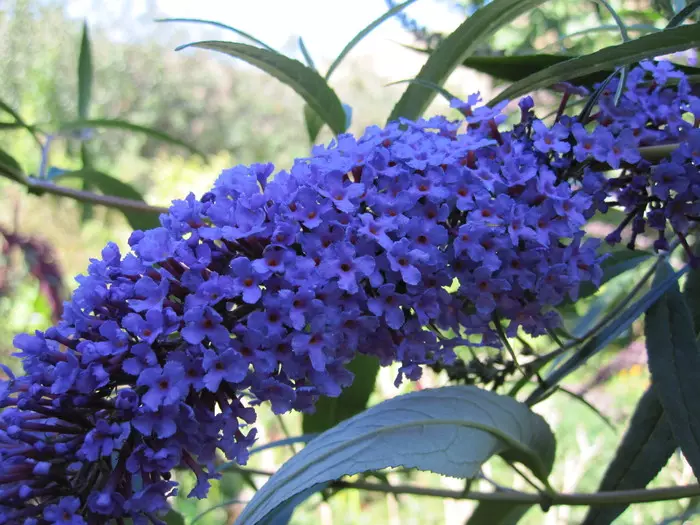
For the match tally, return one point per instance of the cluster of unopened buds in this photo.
(402, 244)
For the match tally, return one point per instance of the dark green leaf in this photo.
(108, 185)
(646, 448)
(220, 25)
(87, 212)
(497, 513)
(174, 518)
(362, 34)
(655, 44)
(128, 126)
(665, 7)
(305, 81)
(691, 293)
(674, 362)
(19, 122)
(606, 336)
(313, 123)
(332, 410)
(517, 67)
(84, 75)
(512, 68)
(683, 14)
(452, 51)
(10, 167)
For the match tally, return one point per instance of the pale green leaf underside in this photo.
(450, 431)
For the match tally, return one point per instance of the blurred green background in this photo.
(236, 114)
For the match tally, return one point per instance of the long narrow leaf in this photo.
(304, 80)
(612, 27)
(646, 448)
(128, 126)
(517, 67)
(455, 49)
(618, 21)
(9, 167)
(691, 293)
(656, 44)
(683, 14)
(220, 25)
(84, 75)
(606, 336)
(20, 122)
(362, 34)
(497, 513)
(307, 56)
(313, 123)
(674, 362)
(332, 410)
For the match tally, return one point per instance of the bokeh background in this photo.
(236, 114)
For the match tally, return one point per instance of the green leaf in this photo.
(606, 336)
(644, 451)
(19, 122)
(305, 53)
(282, 515)
(616, 264)
(84, 75)
(220, 25)
(108, 185)
(305, 81)
(10, 167)
(513, 68)
(647, 28)
(655, 44)
(450, 430)
(455, 49)
(618, 21)
(332, 410)
(128, 126)
(497, 513)
(362, 34)
(313, 123)
(674, 363)
(174, 518)
(691, 293)
(683, 14)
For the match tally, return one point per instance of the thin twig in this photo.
(87, 196)
(615, 497)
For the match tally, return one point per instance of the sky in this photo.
(325, 25)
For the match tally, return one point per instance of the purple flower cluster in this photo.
(401, 244)
(659, 110)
